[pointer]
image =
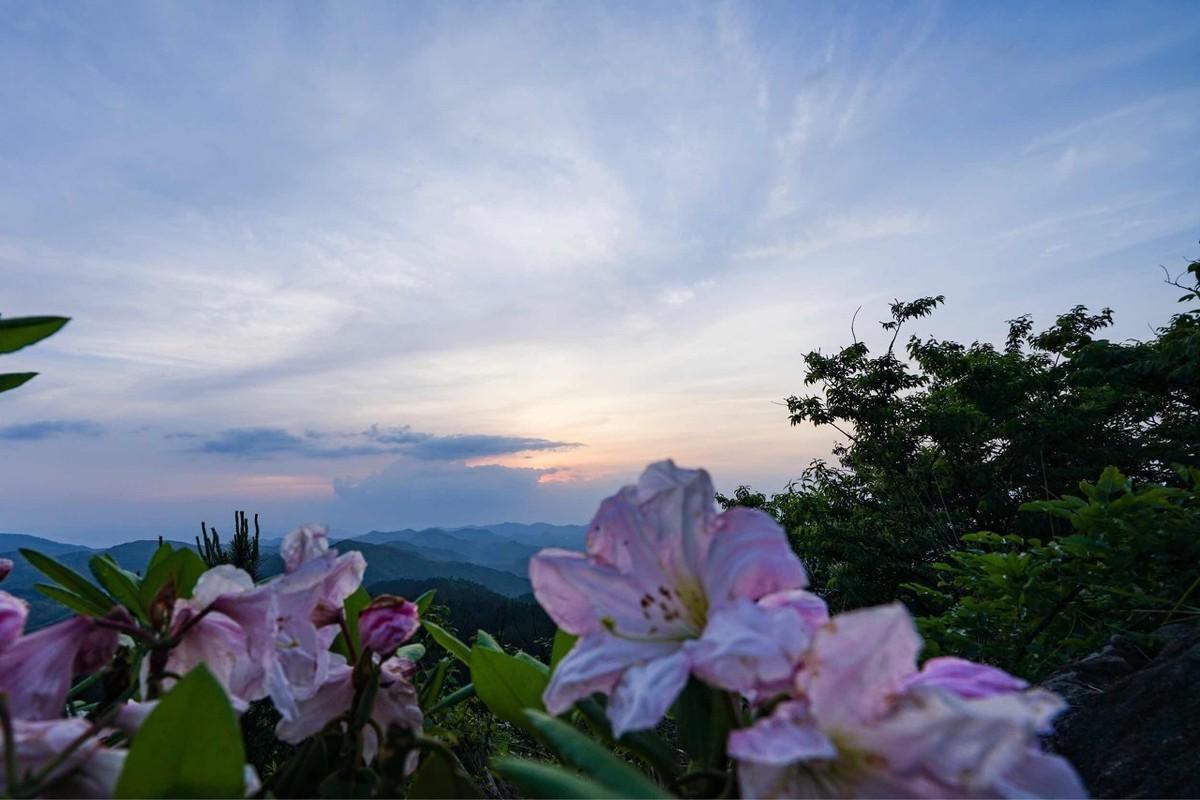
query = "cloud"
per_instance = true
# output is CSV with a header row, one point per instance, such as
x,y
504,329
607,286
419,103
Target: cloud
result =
x,y
252,443
410,493
46,429
264,443
462,446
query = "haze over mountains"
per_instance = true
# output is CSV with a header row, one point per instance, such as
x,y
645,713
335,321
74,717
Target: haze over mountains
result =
x,y
492,561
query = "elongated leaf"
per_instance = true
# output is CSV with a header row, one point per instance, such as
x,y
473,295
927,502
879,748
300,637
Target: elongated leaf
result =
x,y
184,567
454,698
452,644
117,583
648,745
439,777
425,601
592,759
704,720
70,600
563,642
533,662
69,579
432,689
507,684
485,639
351,608
189,746
11,380
547,781
18,332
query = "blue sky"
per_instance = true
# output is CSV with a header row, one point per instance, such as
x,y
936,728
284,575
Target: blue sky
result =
x,y
396,264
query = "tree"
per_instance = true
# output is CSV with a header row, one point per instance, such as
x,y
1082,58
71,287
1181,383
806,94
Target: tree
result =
x,y
954,438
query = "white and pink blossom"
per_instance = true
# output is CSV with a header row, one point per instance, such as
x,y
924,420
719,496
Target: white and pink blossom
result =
x,y
661,565
865,723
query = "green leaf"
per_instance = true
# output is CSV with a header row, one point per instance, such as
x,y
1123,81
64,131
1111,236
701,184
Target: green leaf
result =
x,y
432,688
452,644
485,639
589,757
182,566
70,580
507,684
118,583
189,746
648,745
454,698
18,332
351,608
533,662
704,720
413,651
563,642
69,599
440,777
425,601
548,781
11,380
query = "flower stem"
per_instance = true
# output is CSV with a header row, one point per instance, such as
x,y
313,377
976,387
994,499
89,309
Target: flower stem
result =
x,y
10,745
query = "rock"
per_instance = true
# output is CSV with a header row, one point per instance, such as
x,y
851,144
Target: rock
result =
x,y
1131,729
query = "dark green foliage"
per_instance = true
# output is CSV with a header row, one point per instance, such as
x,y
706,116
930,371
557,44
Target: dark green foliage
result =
x,y
243,550
1128,561
956,438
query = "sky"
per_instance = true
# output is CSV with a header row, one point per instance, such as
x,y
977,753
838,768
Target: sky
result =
x,y
389,265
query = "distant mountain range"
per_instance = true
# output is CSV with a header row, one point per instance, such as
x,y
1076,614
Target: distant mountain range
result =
x,y
494,557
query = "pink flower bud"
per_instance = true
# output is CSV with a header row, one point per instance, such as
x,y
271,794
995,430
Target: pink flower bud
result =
x,y
6,566
387,623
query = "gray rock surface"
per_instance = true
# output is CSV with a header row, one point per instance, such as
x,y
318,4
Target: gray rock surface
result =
x,y
1133,726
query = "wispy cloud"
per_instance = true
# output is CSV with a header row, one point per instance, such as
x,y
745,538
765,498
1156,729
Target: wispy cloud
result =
x,y
49,429
266,443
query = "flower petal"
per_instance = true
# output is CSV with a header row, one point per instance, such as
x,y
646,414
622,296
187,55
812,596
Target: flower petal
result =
x,y
786,736
645,692
857,662
1042,775
584,596
750,557
595,664
36,670
13,613
750,649
314,712
965,678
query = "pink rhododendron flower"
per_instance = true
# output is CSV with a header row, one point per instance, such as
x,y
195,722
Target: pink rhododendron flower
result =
x,y
396,703
310,596
13,613
36,669
866,723
234,634
90,771
6,566
387,623
661,565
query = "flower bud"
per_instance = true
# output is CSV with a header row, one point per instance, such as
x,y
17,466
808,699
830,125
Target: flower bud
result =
x,y
387,623
6,566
